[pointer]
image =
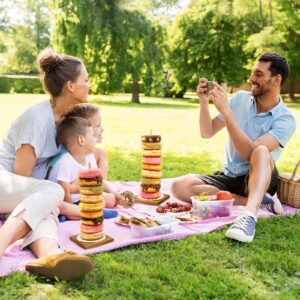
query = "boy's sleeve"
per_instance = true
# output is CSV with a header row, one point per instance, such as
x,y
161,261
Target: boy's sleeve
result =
x,y
65,171
283,128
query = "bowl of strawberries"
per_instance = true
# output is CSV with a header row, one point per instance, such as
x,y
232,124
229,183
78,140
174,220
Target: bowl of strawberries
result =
x,y
173,208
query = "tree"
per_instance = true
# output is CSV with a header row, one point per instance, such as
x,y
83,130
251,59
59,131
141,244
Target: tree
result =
x,y
205,43
289,25
118,45
26,36
280,34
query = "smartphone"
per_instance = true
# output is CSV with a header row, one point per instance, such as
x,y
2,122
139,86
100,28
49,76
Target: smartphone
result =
x,y
210,86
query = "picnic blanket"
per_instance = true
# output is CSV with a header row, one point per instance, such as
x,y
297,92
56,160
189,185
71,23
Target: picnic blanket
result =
x,y
14,259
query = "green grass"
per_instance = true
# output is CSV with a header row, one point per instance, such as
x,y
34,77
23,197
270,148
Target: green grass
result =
x,y
200,267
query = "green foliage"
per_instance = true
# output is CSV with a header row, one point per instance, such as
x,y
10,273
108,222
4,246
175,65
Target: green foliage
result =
x,y
289,25
20,84
24,40
205,43
136,44
117,45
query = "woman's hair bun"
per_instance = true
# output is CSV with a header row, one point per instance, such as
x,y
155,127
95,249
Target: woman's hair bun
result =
x,y
48,60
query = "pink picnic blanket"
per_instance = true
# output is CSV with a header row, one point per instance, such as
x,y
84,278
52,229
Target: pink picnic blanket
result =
x,y
14,259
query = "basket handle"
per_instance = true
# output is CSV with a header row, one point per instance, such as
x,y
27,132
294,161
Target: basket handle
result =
x,y
295,171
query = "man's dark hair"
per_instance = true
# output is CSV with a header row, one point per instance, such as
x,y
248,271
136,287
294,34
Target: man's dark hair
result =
x,y
278,65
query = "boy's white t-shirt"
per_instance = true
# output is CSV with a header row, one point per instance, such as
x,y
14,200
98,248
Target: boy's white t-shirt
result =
x,y
66,169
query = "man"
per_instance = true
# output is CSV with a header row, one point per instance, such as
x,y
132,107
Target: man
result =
x,y
259,126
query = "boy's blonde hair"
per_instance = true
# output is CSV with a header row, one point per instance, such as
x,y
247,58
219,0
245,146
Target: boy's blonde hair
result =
x,y
69,130
83,110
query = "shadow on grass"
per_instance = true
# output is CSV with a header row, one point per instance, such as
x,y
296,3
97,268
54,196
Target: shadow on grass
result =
x,y
168,103
126,166
161,104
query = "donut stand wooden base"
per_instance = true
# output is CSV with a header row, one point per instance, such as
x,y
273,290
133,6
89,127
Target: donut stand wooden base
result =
x,y
158,201
91,244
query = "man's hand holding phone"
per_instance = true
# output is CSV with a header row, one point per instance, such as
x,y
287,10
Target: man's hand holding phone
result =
x,y
203,90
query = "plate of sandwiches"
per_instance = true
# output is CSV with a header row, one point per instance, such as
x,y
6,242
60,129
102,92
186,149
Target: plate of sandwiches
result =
x,y
123,220
137,220
147,226
152,226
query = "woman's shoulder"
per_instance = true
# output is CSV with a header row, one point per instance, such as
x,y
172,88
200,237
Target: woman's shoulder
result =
x,y
35,118
37,112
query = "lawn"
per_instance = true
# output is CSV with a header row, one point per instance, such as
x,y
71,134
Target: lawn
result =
x,y
199,267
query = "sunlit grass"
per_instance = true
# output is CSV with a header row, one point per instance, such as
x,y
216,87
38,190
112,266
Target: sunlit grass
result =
x,y
175,120
200,267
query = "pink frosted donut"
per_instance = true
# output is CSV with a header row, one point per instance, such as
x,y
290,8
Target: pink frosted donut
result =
x,y
150,195
151,160
91,229
89,173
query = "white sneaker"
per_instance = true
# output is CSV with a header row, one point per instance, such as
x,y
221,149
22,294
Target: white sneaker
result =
x,y
272,204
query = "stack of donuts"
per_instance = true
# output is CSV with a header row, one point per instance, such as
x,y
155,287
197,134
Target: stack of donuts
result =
x,y
151,167
91,204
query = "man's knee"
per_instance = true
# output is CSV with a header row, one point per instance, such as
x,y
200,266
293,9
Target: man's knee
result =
x,y
260,152
179,184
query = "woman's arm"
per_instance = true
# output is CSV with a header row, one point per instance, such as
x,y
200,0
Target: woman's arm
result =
x,y
25,160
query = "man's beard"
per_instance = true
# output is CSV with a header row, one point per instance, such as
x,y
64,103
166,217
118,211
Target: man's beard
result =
x,y
260,90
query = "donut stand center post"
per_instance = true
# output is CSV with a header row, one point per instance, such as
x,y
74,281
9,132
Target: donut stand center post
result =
x,y
151,171
91,210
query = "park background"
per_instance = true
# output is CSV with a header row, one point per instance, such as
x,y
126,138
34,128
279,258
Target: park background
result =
x,y
144,59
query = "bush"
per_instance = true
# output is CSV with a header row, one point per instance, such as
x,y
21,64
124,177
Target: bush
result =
x,y
20,84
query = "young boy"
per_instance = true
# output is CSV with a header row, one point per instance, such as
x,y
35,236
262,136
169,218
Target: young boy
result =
x,y
76,135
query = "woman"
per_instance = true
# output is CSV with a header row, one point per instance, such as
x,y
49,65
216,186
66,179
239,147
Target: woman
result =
x,y
32,203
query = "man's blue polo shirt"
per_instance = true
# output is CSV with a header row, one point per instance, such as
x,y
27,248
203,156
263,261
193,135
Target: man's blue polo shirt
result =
x,y
278,122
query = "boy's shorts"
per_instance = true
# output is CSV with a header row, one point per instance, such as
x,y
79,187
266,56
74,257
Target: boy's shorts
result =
x,y
237,185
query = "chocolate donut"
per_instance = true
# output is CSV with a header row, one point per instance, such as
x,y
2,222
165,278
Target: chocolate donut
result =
x,y
90,181
151,138
150,188
92,222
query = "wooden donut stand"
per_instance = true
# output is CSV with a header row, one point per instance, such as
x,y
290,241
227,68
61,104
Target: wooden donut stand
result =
x,y
153,201
91,244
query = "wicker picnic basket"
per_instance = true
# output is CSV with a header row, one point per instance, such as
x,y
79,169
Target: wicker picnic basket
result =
x,y
288,190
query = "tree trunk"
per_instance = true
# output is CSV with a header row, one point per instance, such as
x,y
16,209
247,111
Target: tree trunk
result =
x,y
261,14
270,12
135,92
292,88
